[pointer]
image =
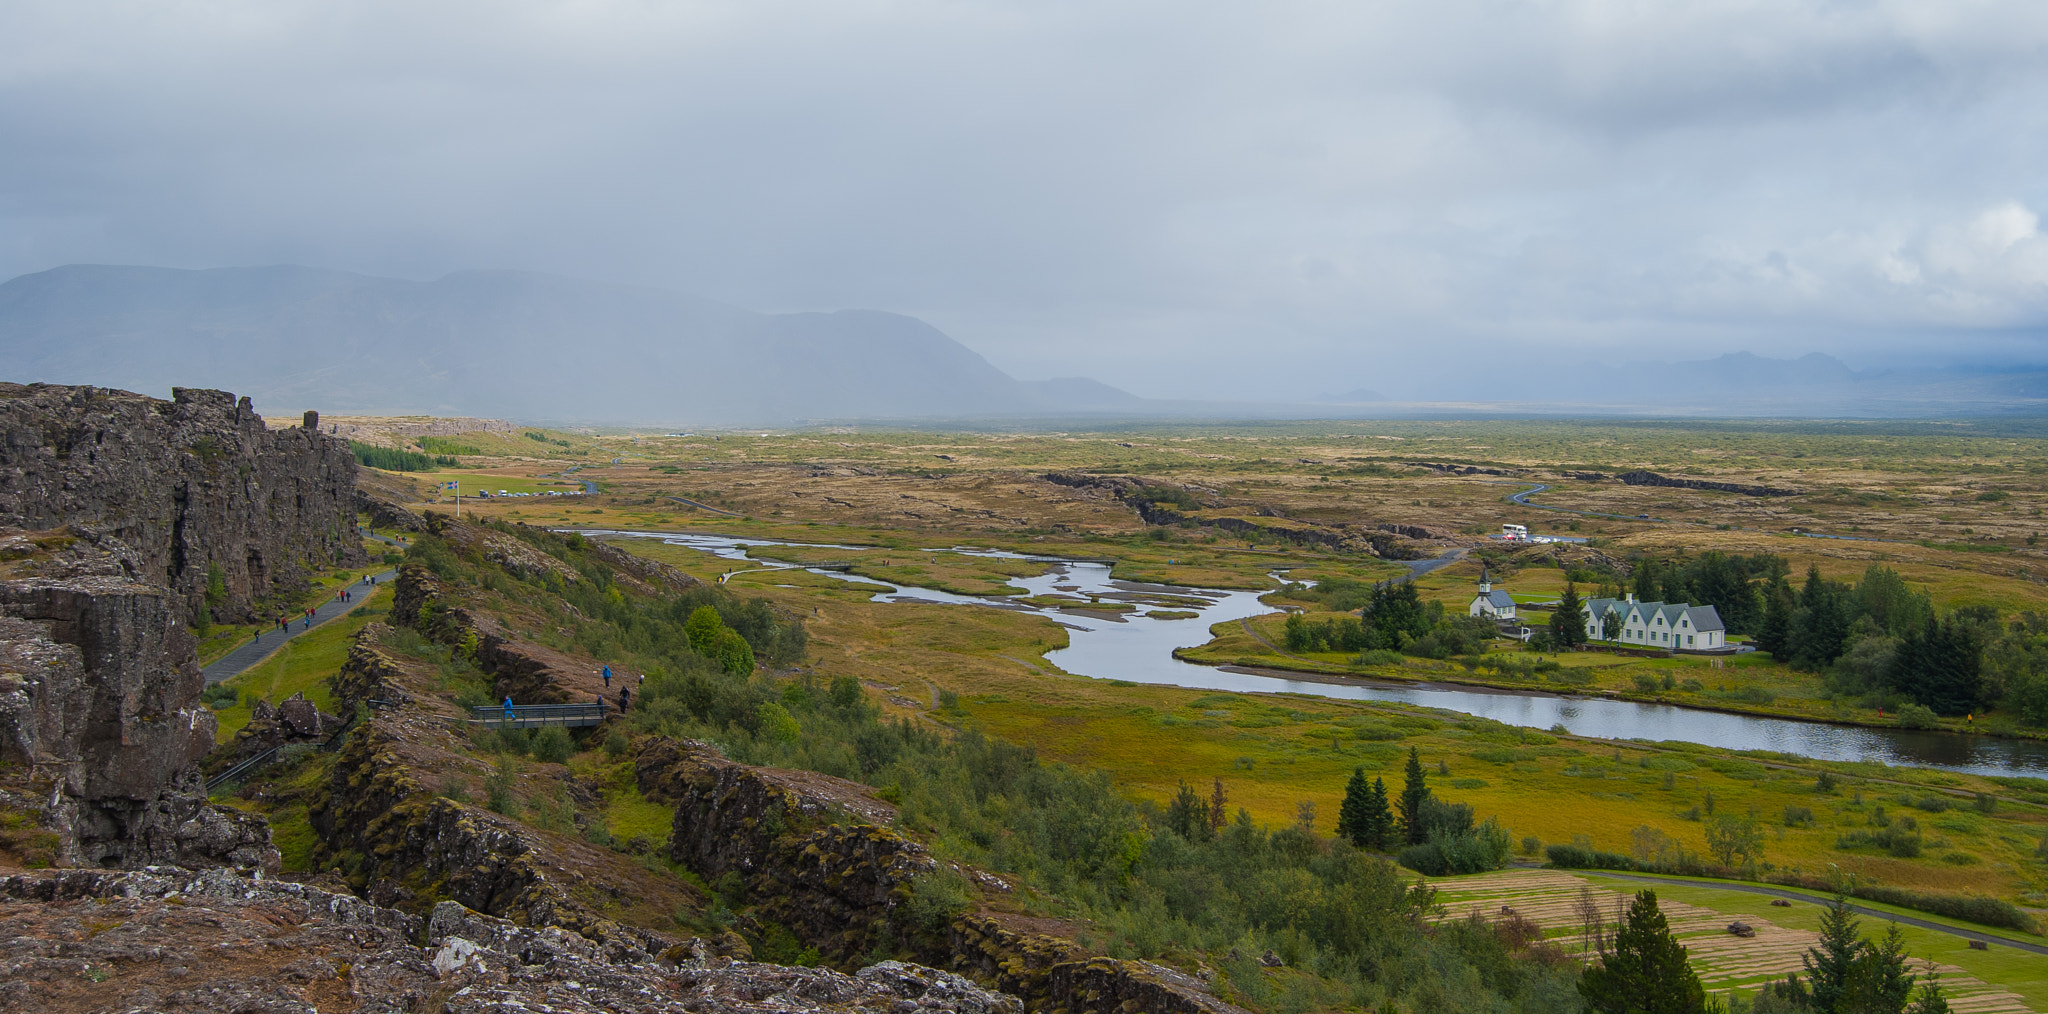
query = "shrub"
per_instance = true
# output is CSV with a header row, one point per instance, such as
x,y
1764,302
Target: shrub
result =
x,y
1578,857
1798,816
1647,684
1917,716
512,741
553,745
1932,803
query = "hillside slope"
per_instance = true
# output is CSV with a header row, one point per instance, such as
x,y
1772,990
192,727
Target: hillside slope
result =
x,y
499,343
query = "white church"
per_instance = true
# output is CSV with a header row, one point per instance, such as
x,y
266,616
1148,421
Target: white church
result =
x,y
1670,626
1493,603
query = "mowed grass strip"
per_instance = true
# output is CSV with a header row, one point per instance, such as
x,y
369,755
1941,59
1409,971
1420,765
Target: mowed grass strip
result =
x,y
2003,980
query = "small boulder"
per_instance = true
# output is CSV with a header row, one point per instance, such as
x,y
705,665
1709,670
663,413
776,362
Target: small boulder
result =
x,y
1271,960
1741,929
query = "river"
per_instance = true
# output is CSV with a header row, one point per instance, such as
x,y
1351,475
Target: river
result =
x,y
1139,649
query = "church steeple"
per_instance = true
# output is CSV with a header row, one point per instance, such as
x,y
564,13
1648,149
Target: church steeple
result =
x,y
1485,580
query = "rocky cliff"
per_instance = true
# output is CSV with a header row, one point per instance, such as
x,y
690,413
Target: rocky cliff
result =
x,y
184,484
113,509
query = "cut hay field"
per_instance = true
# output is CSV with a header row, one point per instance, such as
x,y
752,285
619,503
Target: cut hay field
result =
x,y
1999,980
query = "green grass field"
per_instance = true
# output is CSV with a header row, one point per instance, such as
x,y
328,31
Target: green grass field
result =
x,y
302,665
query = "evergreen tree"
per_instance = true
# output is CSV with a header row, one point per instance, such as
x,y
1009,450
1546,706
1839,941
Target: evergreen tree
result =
x,y
1821,625
1646,581
1217,816
1187,814
1395,609
1380,819
1940,665
1647,971
1354,820
1832,965
1879,982
1413,794
1774,634
1568,623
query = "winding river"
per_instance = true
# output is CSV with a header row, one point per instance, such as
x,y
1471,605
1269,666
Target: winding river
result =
x,y
1139,648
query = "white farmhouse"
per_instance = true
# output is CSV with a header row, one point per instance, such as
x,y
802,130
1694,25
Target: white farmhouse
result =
x,y
1670,626
1495,604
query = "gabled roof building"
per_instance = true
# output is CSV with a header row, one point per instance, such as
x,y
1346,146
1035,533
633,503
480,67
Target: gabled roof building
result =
x,y
1671,626
1491,602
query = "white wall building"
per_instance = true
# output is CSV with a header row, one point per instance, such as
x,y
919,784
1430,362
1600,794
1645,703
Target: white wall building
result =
x,y
1670,626
1492,603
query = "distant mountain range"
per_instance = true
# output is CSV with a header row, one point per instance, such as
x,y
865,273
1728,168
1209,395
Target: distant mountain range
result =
x,y
500,343
544,348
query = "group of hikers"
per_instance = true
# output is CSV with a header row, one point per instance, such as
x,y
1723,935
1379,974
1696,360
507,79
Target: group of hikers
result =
x,y
307,616
625,693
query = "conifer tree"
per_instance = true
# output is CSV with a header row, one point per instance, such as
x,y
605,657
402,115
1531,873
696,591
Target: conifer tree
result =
x,y
1775,635
1831,964
1413,793
1380,832
1354,819
1646,972
1568,623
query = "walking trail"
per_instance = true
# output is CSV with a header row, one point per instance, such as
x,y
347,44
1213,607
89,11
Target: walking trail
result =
x,y
267,643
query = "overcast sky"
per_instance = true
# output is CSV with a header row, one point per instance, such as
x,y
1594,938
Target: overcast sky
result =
x,y
1184,199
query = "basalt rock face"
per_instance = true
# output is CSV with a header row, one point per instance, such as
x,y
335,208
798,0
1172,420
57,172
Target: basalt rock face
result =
x,y
101,728
184,484
417,845
123,504
803,843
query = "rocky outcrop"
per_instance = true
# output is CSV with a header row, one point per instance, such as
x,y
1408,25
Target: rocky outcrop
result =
x,y
1056,976
1643,478
217,942
802,843
370,673
185,485
378,821
654,576
292,720
101,728
1457,469
802,846
528,673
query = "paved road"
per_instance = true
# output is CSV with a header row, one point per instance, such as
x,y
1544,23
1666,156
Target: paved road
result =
x,y
241,659
1908,920
1417,568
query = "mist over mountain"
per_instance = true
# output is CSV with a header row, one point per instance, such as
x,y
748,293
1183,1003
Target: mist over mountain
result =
x,y
549,348
503,343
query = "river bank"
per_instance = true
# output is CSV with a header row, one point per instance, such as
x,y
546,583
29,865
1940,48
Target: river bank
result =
x,y
1296,667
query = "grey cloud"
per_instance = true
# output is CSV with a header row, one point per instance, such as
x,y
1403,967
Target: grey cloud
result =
x,y
1181,199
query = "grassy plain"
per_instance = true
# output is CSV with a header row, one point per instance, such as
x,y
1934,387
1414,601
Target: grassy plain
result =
x,y
1961,503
